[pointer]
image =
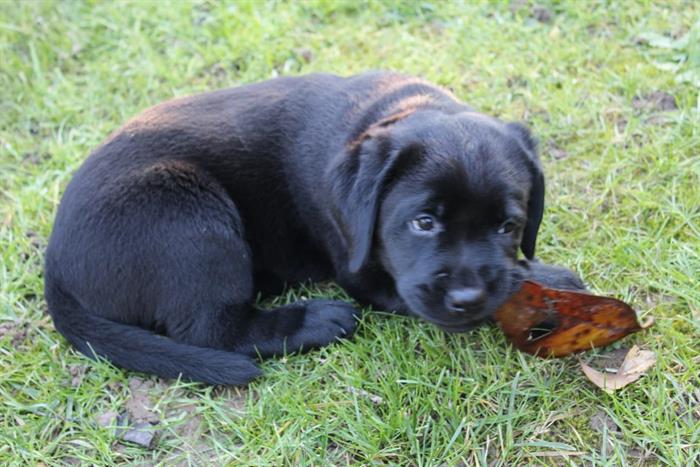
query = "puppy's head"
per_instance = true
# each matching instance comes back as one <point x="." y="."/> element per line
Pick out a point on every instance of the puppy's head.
<point x="442" y="203"/>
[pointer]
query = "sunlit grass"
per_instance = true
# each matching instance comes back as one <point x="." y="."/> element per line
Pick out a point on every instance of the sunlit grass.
<point x="623" y="209"/>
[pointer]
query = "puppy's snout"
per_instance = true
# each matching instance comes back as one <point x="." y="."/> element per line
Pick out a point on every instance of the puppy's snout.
<point x="461" y="300"/>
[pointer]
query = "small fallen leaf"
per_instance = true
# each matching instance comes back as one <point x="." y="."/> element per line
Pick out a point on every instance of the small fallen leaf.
<point x="609" y="361"/>
<point x="637" y="361"/>
<point x="553" y="323"/>
<point x="635" y="365"/>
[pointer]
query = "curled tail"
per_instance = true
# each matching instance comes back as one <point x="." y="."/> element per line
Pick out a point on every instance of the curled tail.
<point x="138" y="349"/>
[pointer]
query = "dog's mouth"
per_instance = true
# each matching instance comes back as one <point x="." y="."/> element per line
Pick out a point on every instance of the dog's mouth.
<point x="429" y="305"/>
<point x="433" y="311"/>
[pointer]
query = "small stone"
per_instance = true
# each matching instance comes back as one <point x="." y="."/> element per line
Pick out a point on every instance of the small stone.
<point x="142" y="434"/>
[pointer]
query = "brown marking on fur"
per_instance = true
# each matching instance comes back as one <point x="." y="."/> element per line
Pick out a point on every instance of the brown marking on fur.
<point x="403" y="111"/>
<point x="395" y="82"/>
<point x="377" y="127"/>
<point x="412" y="103"/>
<point x="400" y="109"/>
<point x="160" y="116"/>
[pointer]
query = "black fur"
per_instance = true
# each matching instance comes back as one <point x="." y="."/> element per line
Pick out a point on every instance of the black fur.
<point x="171" y="227"/>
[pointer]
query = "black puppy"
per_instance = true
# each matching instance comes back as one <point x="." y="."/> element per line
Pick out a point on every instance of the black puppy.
<point x="409" y="199"/>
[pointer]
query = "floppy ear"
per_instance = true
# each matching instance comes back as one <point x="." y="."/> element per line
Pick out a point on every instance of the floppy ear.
<point x="535" y="203"/>
<point x="357" y="179"/>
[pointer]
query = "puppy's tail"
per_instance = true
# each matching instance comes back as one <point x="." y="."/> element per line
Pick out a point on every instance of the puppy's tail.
<point x="138" y="349"/>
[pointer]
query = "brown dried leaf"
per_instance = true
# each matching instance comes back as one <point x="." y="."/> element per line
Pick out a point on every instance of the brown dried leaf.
<point x="635" y="365"/>
<point x="553" y="323"/>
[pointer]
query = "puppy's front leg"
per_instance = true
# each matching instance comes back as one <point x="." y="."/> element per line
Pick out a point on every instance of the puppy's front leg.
<point x="299" y="326"/>
<point x="556" y="277"/>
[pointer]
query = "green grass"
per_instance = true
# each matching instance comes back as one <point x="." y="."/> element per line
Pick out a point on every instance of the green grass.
<point x="623" y="210"/>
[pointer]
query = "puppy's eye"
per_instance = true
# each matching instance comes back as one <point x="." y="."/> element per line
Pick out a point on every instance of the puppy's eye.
<point x="423" y="223"/>
<point x="507" y="227"/>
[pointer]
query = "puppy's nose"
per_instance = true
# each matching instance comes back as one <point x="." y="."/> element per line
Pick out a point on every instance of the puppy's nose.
<point x="460" y="300"/>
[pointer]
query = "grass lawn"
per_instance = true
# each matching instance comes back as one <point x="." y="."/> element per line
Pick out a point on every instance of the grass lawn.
<point x="614" y="101"/>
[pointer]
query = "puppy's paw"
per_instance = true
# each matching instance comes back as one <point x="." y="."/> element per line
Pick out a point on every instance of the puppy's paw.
<point x="555" y="277"/>
<point x="325" y="321"/>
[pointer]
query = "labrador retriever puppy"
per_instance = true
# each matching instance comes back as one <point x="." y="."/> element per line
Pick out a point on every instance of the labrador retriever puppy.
<point x="410" y="200"/>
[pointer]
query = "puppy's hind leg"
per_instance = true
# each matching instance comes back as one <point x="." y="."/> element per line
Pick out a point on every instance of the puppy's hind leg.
<point x="206" y="274"/>
<point x="217" y="287"/>
<point x="148" y="268"/>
